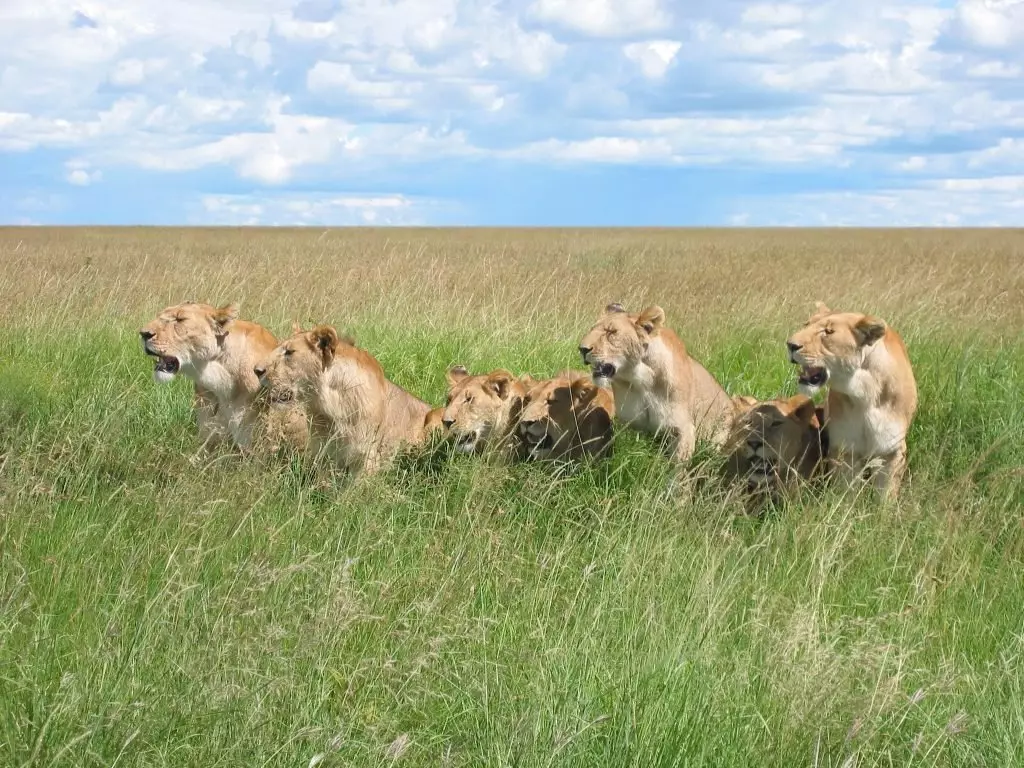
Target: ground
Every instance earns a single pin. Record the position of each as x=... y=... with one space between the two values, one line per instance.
x=162 y=608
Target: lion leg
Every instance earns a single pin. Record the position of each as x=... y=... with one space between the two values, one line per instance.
x=685 y=442
x=207 y=418
x=889 y=476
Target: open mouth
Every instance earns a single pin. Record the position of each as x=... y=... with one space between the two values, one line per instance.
x=281 y=396
x=166 y=364
x=603 y=370
x=466 y=443
x=812 y=377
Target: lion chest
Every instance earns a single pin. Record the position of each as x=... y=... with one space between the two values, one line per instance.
x=217 y=379
x=642 y=410
x=872 y=432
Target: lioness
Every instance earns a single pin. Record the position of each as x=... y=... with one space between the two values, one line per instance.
x=482 y=411
x=659 y=389
x=567 y=417
x=216 y=351
x=358 y=416
x=872 y=395
x=773 y=444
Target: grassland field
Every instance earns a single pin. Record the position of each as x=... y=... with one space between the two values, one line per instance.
x=163 y=607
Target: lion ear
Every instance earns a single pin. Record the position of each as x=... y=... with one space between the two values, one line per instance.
x=223 y=318
x=325 y=341
x=296 y=329
x=869 y=329
x=802 y=407
x=651 y=319
x=743 y=403
x=500 y=383
x=456 y=374
x=527 y=380
x=820 y=310
x=582 y=390
x=614 y=308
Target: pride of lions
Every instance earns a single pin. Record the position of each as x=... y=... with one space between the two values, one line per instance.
x=317 y=391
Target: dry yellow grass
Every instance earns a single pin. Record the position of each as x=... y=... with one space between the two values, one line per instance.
x=711 y=282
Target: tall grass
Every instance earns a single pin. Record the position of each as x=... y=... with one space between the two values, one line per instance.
x=164 y=607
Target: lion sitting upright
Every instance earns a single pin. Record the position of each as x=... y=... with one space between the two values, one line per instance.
x=216 y=351
x=482 y=411
x=358 y=416
x=659 y=389
x=872 y=394
x=773 y=445
x=566 y=418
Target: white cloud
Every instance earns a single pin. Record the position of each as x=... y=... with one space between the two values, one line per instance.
x=958 y=202
x=81 y=174
x=132 y=72
x=989 y=24
x=604 y=18
x=773 y=15
x=654 y=57
x=310 y=210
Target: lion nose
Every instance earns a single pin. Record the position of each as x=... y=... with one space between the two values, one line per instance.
x=584 y=351
x=259 y=372
x=146 y=335
x=755 y=444
x=525 y=424
x=794 y=347
x=447 y=423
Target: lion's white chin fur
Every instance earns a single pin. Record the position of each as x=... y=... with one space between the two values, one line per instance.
x=163 y=377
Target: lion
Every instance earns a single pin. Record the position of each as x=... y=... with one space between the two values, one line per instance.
x=482 y=410
x=659 y=389
x=432 y=422
x=358 y=417
x=566 y=418
x=216 y=351
x=872 y=394
x=775 y=444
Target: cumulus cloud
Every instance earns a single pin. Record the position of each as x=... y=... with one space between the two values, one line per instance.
x=919 y=95
x=309 y=210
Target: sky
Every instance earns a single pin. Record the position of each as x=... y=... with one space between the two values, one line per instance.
x=512 y=112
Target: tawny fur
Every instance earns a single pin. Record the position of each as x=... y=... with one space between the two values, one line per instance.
x=566 y=418
x=482 y=412
x=659 y=389
x=872 y=394
x=359 y=418
x=216 y=351
x=773 y=445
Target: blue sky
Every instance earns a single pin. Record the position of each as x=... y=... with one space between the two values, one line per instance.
x=524 y=112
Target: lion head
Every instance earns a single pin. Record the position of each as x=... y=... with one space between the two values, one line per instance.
x=293 y=367
x=774 y=442
x=185 y=336
x=564 y=415
x=618 y=341
x=832 y=344
x=480 y=408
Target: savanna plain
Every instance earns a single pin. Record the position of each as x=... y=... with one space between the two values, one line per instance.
x=161 y=606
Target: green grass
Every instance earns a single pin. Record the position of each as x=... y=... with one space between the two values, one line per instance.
x=158 y=608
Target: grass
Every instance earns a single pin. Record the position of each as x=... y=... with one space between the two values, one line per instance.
x=163 y=608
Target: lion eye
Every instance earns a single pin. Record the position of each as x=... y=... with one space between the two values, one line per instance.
x=776 y=423
x=828 y=330
x=469 y=398
x=289 y=352
x=179 y=319
x=612 y=331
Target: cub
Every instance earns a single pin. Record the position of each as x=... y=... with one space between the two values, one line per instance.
x=566 y=418
x=358 y=417
x=774 y=444
x=872 y=394
x=482 y=411
x=216 y=351
x=659 y=389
